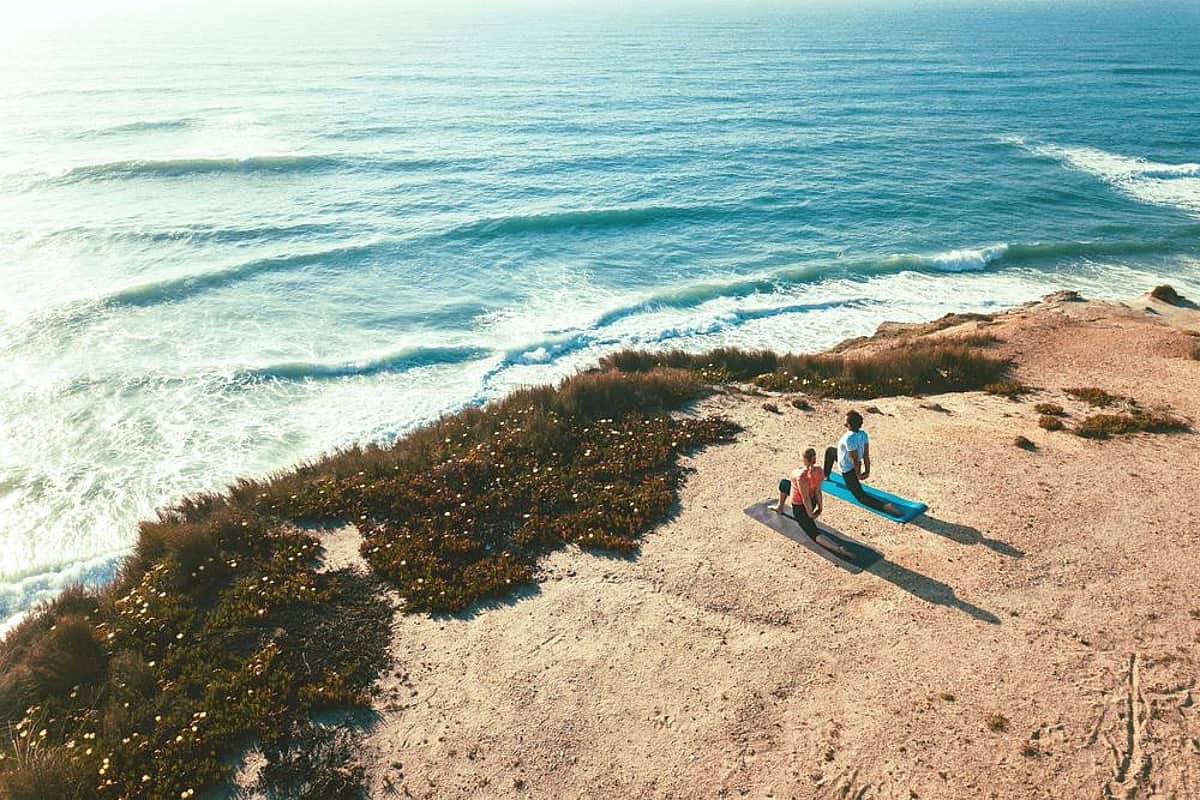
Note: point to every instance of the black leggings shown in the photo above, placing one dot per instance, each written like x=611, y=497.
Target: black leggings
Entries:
x=807, y=523
x=853, y=483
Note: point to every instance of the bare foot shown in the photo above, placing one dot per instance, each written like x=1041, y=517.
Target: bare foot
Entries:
x=778, y=509
x=891, y=509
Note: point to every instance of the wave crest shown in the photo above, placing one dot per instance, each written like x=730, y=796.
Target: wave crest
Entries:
x=187, y=286
x=138, y=126
x=963, y=260
x=400, y=361
x=183, y=167
x=590, y=219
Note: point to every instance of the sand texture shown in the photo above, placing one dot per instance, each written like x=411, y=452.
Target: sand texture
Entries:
x=1035, y=635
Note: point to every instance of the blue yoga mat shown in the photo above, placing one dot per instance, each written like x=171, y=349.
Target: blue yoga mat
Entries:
x=836, y=486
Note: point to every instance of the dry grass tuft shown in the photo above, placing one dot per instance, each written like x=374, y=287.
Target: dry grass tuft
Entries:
x=1050, y=423
x=978, y=339
x=1050, y=409
x=915, y=367
x=1024, y=444
x=997, y=723
x=1095, y=397
x=1105, y=426
x=1013, y=390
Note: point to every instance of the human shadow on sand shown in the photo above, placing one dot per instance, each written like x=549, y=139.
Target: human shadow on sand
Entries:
x=855, y=556
x=965, y=534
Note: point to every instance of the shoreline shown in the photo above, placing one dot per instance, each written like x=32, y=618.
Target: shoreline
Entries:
x=553, y=571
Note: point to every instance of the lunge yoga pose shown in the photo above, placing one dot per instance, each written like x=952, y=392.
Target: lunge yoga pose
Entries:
x=804, y=487
x=853, y=456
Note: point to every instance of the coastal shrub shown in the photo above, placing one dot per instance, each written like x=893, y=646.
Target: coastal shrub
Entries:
x=721, y=364
x=53, y=655
x=66, y=658
x=910, y=367
x=591, y=395
x=1104, y=426
x=1050, y=409
x=1025, y=444
x=1095, y=397
x=1011, y=389
x=918, y=368
x=39, y=773
x=1050, y=422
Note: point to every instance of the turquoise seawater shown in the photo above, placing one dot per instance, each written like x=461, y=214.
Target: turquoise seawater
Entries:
x=227, y=245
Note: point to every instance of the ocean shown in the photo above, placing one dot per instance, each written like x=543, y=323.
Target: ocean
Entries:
x=229, y=244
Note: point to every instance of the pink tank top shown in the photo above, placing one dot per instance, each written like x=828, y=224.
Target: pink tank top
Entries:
x=813, y=475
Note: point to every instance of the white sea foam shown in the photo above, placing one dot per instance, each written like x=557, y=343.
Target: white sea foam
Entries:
x=1158, y=183
x=967, y=259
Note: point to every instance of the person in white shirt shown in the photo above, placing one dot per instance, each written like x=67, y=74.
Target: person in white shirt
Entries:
x=853, y=456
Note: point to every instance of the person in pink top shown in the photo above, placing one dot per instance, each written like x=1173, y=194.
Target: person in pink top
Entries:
x=804, y=488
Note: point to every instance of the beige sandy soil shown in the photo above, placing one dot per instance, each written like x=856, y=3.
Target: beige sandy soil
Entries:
x=1035, y=636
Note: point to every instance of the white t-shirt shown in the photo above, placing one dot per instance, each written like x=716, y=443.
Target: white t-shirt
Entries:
x=853, y=441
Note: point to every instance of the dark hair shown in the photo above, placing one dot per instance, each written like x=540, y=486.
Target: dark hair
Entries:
x=854, y=420
x=810, y=454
